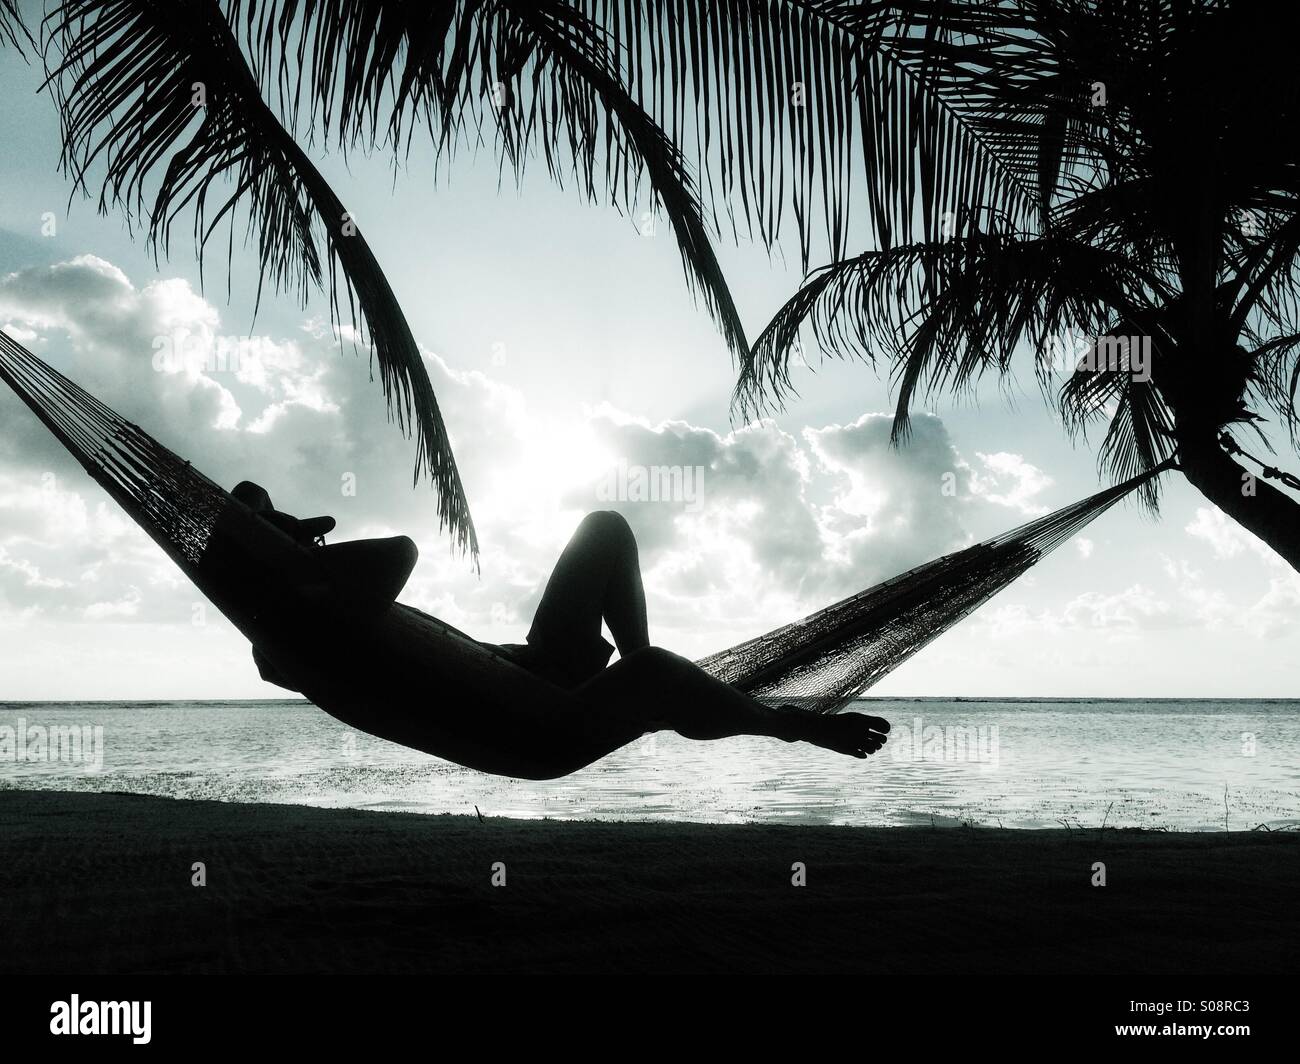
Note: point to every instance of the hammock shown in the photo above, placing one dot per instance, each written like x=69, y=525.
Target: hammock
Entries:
x=360, y=657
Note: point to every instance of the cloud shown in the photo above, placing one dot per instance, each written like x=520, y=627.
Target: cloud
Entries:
x=1135, y=608
x=772, y=524
x=1115, y=616
x=1227, y=538
x=65, y=558
x=1275, y=612
x=1188, y=600
x=891, y=508
x=757, y=526
x=1008, y=480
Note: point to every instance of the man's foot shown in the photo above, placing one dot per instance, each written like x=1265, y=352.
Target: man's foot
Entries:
x=855, y=734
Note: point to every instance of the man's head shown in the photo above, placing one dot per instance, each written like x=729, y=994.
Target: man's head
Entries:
x=303, y=530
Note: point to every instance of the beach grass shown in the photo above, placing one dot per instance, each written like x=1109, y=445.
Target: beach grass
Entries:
x=106, y=883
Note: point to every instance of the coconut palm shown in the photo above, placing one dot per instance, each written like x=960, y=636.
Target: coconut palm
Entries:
x=1021, y=171
x=719, y=115
x=12, y=29
x=198, y=108
x=1146, y=185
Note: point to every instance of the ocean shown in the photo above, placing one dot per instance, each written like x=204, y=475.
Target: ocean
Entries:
x=1174, y=764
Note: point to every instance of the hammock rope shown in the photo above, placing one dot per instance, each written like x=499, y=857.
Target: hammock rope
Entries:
x=1270, y=472
x=820, y=663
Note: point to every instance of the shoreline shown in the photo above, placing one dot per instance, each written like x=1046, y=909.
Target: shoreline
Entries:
x=102, y=882
x=300, y=700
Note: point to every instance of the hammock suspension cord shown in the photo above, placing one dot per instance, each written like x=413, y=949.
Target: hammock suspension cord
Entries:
x=1271, y=472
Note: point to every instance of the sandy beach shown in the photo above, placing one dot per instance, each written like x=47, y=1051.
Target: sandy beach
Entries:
x=103, y=883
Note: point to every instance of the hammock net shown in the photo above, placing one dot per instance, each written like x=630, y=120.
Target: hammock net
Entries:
x=820, y=663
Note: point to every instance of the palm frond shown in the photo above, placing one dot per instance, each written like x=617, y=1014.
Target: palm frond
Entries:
x=360, y=72
x=744, y=113
x=541, y=77
x=575, y=89
x=13, y=28
x=1275, y=379
x=945, y=312
x=1139, y=422
x=804, y=107
x=1137, y=437
x=1142, y=132
x=126, y=73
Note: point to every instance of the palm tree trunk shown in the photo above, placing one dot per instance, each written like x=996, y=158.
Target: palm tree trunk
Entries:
x=1249, y=500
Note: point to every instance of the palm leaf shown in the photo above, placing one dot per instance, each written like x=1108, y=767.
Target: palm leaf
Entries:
x=541, y=77
x=1275, y=378
x=738, y=113
x=575, y=88
x=126, y=72
x=1139, y=423
x=12, y=27
x=944, y=312
x=803, y=107
x=1136, y=220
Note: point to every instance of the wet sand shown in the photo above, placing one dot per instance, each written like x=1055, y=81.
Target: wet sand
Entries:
x=103, y=883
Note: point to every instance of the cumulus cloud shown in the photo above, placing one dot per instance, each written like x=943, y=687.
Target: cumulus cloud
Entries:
x=1275, y=612
x=1189, y=597
x=756, y=526
x=1008, y=480
x=892, y=507
x=66, y=558
x=1133, y=609
x=1227, y=538
x=1115, y=616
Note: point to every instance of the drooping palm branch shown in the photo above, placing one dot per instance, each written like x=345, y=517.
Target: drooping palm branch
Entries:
x=144, y=85
x=1144, y=132
x=125, y=71
x=950, y=104
x=747, y=112
x=941, y=314
x=538, y=76
x=13, y=30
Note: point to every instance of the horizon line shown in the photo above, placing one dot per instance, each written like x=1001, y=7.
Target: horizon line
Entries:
x=861, y=698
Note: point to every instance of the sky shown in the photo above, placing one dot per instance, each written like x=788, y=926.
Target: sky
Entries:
x=567, y=356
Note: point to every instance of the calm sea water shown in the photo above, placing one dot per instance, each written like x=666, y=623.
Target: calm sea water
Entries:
x=1177, y=764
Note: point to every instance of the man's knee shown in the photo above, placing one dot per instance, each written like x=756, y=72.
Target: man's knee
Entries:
x=609, y=525
x=403, y=554
x=404, y=547
x=657, y=660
